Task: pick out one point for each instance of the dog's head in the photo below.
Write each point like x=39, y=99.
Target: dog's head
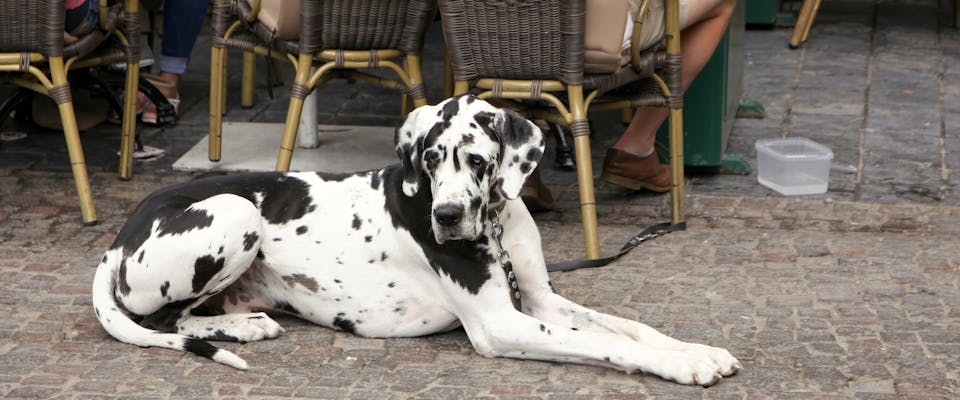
x=473, y=155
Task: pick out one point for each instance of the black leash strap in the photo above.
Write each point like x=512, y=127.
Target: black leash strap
x=651, y=232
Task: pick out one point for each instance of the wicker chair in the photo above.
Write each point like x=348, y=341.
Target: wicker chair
x=337, y=37
x=32, y=44
x=519, y=50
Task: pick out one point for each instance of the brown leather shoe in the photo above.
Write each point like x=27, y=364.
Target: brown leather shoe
x=535, y=194
x=631, y=171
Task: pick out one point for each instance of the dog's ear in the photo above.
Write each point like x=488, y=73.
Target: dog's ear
x=521, y=146
x=408, y=142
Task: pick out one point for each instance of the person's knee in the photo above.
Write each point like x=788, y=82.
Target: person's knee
x=725, y=8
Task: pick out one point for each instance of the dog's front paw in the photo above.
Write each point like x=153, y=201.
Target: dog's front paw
x=728, y=364
x=704, y=366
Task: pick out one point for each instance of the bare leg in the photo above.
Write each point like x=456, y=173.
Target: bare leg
x=698, y=42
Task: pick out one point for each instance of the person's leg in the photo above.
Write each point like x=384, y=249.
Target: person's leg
x=182, y=20
x=707, y=21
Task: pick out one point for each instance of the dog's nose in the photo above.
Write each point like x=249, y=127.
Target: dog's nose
x=448, y=214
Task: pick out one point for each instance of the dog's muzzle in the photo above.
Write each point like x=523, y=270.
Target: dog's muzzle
x=451, y=222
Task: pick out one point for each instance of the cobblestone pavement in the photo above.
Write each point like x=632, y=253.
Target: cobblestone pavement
x=817, y=297
x=852, y=294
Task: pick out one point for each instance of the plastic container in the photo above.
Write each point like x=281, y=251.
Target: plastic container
x=793, y=166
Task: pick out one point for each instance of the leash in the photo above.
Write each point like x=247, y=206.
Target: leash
x=652, y=232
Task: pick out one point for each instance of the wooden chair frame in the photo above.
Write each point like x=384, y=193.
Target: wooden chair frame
x=570, y=104
x=56, y=60
x=313, y=65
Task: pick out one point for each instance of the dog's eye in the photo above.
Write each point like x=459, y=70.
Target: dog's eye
x=431, y=158
x=476, y=161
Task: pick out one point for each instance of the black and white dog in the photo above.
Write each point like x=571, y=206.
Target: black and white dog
x=407, y=250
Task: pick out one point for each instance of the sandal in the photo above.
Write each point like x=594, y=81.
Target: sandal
x=147, y=109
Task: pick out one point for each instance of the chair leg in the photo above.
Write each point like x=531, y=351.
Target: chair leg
x=808, y=12
x=298, y=91
x=813, y=15
x=580, y=128
x=289, y=138
x=130, y=90
x=588, y=207
x=217, y=57
x=676, y=166
x=129, y=129
x=247, y=79
x=60, y=91
x=418, y=92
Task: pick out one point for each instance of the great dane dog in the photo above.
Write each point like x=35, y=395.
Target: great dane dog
x=407, y=250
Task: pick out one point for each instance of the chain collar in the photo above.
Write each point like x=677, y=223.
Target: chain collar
x=504, y=259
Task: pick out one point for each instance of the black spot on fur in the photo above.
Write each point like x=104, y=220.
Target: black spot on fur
x=344, y=324
x=277, y=239
x=203, y=269
x=165, y=319
x=301, y=229
x=304, y=280
x=199, y=347
x=222, y=336
x=188, y=220
x=286, y=307
x=220, y=251
x=375, y=180
x=383, y=256
x=392, y=284
x=515, y=130
x=534, y=154
x=450, y=109
x=163, y=288
x=525, y=167
x=140, y=259
x=124, y=286
x=368, y=238
x=249, y=239
x=475, y=204
x=543, y=327
x=357, y=223
x=260, y=255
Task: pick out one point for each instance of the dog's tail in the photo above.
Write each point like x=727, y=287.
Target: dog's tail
x=122, y=328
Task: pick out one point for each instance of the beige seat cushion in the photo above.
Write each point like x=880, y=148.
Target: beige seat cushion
x=281, y=16
x=606, y=37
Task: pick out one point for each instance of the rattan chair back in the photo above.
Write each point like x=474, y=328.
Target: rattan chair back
x=515, y=39
x=32, y=26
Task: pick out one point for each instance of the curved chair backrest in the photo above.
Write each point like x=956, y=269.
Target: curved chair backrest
x=33, y=26
x=515, y=39
x=364, y=24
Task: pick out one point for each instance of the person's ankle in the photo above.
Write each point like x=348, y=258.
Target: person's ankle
x=636, y=152
x=173, y=91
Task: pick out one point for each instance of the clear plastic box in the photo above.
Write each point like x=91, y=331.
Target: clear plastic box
x=793, y=166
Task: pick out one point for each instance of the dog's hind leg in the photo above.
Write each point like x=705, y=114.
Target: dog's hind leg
x=241, y=328
x=191, y=254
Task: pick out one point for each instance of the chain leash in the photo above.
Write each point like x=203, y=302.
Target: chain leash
x=505, y=259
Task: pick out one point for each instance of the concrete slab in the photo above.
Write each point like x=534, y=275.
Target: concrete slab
x=342, y=148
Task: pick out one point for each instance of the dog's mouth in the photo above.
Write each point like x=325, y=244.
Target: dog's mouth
x=442, y=234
